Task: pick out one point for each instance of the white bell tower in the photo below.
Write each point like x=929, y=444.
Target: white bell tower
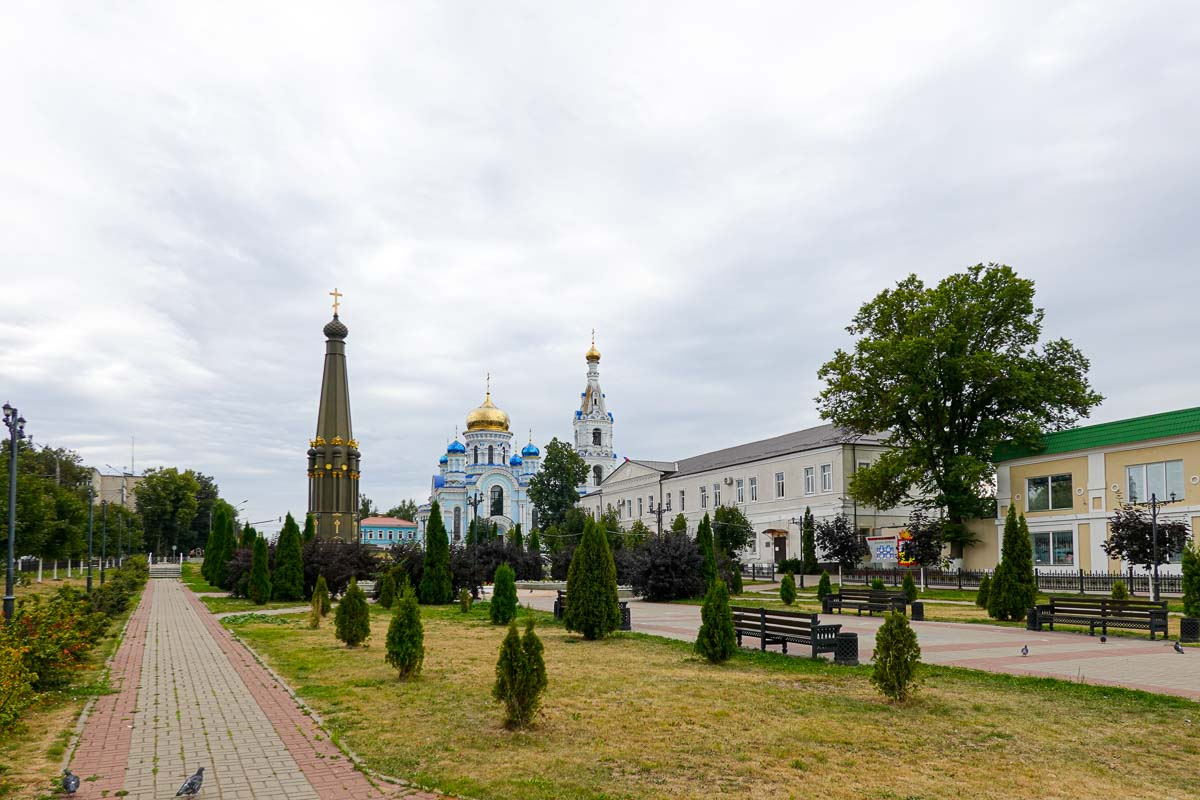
x=594, y=426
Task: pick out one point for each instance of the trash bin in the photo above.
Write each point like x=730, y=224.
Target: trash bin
x=1032, y=623
x=845, y=650
x=918, y=611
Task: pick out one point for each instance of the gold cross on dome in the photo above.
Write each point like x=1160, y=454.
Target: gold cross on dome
x=593, y=337
x=335, y=294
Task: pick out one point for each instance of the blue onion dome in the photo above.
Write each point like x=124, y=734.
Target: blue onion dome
x=443, y=461
x=515, y=461
x=456, y=447
x=531, y=451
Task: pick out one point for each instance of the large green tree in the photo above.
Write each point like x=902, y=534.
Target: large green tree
x=166, y=502
x=436, y=585
x=407, y=509
x=287, y=582
x=950, y=372
x=260, y=577
x=207, y=495
x=732, y=532
x=554, y=489
x=808, y=543
x=1013, y=589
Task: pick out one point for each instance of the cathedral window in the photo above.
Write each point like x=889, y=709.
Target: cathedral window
x=476, y=454
x=596, y=436
x=457, y=523
x=497, y=501
x=491, y=455
x=597, y=474
x=703, y=497
x=682, y=501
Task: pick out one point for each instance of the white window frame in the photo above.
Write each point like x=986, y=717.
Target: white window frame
x=1049, y=479
x=780, y=486
x=1052, y=535
x=754, y=490
x=1145, y=480
x=716, y=495
x=703, y=497
x=810, y=481
x=826, y=478
x=739, y=490
x=639, y=506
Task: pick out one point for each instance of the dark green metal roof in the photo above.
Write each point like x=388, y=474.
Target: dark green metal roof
x=1124, y=431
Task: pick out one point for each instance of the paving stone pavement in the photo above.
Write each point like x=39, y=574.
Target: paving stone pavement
x=191, y=696
x=1132, y=662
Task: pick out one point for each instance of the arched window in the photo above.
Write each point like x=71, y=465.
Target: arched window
x=497, y=501
x=596, y=436
x=533, y=519
x=491, y=454
x=476, y=454
x=596, y=473
x=457, y=523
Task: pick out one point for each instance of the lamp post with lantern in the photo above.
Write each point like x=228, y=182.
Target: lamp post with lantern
x=16, y=431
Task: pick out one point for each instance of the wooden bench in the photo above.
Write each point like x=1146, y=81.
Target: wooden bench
x=780, y=627
x=1103, y=613
x=560, y=608
x=870, y=600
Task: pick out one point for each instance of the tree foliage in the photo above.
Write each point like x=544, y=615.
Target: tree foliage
x=352, y=620
x=839, y=542
x=437, y=586
x=259, y=589
x=679, y=524
x=406, y=635
x=732, y=532
x=337, y=562
x=716, y=640
x=787, y=589
x=406, y=510
x=385, y=588
x=1131, y=538
x=287, y=581
x=925, y=546
x=1191, y=579
x=1013, y=589
x=985, y=588
x=520, y=675
x=166, y=502
x=503, y=607
x=310, y=529
x=808, y=543
x=896, y=657
x=910, y=588
x=554, y=489
x=667, y=568
x=592, y=607
x=951, y=372
x=320, y=596
x=708, y=555
x=824, y=587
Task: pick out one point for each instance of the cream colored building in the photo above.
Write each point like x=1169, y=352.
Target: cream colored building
x=772, y=481
x=116, y=489
x=1069, y=487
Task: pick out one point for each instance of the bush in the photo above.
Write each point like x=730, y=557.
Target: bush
x=259, y=589
x=787, y=589
x=667, y=568
x=437, y=587
x=520, y=675
x=408, y=558
x=287, y=576
x=792, y=565
x=16, y=683
x=897, y=655
x=592, y=607
x=386, y=587
x=1191, y=580
x=808, y=543
x=503, y=607
x=877, y=584
x=464, y=599
x=716, y=640
x=1013, y=591
x=54, y=636
x=985, y=587
x=708, y=555
x=406, y=636
x=320, y=596
x=824, y=588
x=237, y=573
x=910, y=587
x=338, y=562
x=1119, y=592
x=560, y=561
x=352, y=621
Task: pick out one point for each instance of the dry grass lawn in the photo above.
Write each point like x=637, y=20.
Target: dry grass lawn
x=640, y=717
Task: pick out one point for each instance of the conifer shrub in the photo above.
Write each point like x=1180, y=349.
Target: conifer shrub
x=808, y=543
x=787, y=589
x=259, y=588
x=1119, y=592
x=1013, y=590
x=824, y=588
x=981, y=596
x=287, y=579
x=352, y=621
x=896, y=656
x=592, y=606
x=910, y=587
x=503, y=607
x=437, y=586
x=716, y=640
x=520, y=675
x=314, y=612
x=708, y=553
x=320, y=596
x=464, y=599
x=877, y=584
x=1191, y=579
x=387, y=590
x=406, y=635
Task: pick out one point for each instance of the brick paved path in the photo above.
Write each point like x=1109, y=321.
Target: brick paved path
x=190, y=696
x=1136, y=663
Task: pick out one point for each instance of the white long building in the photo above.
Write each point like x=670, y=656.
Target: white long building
x=772, y=481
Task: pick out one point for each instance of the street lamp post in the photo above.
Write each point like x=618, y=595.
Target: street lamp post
x=103, y=537
x=1154, y=506
x=473, y=501
x=658, y=512
x=91, y=510
x=16, y=431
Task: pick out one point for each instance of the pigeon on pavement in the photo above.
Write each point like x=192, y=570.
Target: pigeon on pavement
x=192, y=785
x=1024, y=650
x=1178, y=648
x=70, y=782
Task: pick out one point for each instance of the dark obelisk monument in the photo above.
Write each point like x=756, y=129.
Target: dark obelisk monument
x=333, y=455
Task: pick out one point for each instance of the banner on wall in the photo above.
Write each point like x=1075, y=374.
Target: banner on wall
x=883, y=548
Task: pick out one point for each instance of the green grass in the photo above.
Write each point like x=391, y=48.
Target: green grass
x=195, y=581
x=219, y=605
x=637, y=716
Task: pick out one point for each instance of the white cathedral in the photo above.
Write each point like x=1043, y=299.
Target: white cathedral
x=484, y=476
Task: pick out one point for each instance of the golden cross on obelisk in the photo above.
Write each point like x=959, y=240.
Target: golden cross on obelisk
x=335, y=294
x=337, y=525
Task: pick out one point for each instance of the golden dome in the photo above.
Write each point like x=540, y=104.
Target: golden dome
x=593, y=354
x=487, y=417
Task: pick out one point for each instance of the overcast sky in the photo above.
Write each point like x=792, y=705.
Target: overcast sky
x=714, y=187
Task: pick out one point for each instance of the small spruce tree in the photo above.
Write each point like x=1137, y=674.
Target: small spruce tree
x=310, y=529
x=260, y=577
x=314, y=613
x=437, y=588
x=387, y=589
x=808, y=543
x=824, y=587
x=1013, y=590
x=985, y=586
x=520, y=675
x=464, y=599
x=287, y=581
x=716, y=640
x=321, y=596
x=704, y=542
x=910, y=587
x=592, y=606
x=515, y=538
x=787, y=589
x=1119, y=592
x=1191, y=579
x=535, y=542
x=406, y=636
x=897, y=655
x=352, y=620
x=504, y=595
x=877, y=584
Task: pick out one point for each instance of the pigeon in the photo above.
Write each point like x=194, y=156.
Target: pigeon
x=192, y=785
x=1179, y=648
x=1103, y=639
x=1024, y=650
x=70, y=782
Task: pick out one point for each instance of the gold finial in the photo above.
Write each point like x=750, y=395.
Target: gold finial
x=335, y=294
x=489, y=385
x=593, y=337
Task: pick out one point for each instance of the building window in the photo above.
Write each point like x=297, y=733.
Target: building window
x=597, y=474
x=1048, y=492
x=779, y=484
x=703, y=497
x=491, y=455
x=863, y=465
x=596, y=436
x=740, y=491
x=682, y=501
x=716, y=495
x=457, y=523
x=1161, y=479
x=639, y=506
x=754, y=490
x=650, y=503
x=476, y=454
x=668, y=501
x=810, y=481
x=827, y=477
x=1053, y=549
x=497, y=501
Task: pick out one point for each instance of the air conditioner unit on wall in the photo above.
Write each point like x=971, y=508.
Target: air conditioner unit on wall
x=729, y=481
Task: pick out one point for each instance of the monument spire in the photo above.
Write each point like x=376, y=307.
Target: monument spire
x=333, y=456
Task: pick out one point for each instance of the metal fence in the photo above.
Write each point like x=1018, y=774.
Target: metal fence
x=757, y=572
x=1078, y=581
